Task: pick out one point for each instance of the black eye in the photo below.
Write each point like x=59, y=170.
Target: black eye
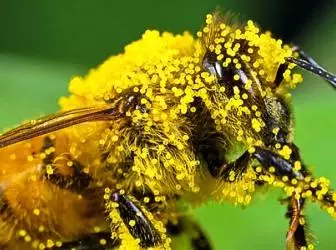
x=213, y=66
x=224, y=75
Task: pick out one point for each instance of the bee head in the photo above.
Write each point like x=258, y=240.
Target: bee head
x=251, y=110
x=253, y=73
x=248, y=67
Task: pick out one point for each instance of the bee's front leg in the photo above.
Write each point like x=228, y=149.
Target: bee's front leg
x=223, y=170
x=296, y=235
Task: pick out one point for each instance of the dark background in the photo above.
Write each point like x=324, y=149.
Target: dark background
x=44, y=43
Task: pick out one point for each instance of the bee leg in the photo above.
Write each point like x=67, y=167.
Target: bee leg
x=282, y=166
x=296, y=234
x=224, y=169
x=184, y=225
x=137, y=223
x=97, y=241
x=297, y=230
x=266, y=158
x=78, y=182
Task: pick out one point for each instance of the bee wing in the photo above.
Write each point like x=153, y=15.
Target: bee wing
x=57, y=121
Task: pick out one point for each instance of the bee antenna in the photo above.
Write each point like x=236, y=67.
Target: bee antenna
x=306, y=62
x=331, y=78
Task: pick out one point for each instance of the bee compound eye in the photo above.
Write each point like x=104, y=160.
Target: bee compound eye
x=212, y=66
x=242, y=75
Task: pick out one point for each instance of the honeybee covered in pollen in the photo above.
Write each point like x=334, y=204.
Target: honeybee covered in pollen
x=154, y=127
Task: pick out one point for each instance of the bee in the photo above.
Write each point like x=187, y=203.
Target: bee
x=174, y=120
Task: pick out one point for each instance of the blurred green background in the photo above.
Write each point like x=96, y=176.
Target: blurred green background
x=44, y=43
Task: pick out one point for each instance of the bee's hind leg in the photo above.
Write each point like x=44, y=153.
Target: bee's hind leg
x=197, y=237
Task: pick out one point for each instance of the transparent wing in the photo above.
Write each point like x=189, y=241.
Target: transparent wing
x=57, y=121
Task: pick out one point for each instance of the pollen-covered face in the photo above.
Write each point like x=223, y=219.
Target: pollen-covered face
x=249, y=103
